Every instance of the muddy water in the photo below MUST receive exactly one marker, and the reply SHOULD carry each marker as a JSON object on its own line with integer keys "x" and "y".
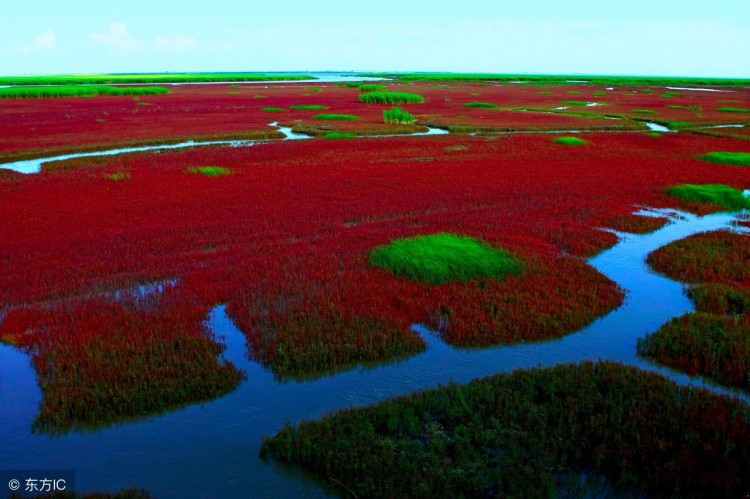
{"x": 211, "y": 450}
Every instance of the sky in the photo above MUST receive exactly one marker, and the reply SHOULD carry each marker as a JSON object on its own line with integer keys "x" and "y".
{"x": 634, "y": 37}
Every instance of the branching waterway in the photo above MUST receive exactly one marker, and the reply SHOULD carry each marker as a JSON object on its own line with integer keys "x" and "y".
{"x": 211, "y": 449}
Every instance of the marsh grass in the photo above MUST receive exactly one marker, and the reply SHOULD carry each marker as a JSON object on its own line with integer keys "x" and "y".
{"x": 339, "y": 135}
{"x": 643, "y": 111}
{"x": 274, "y": 110}
{"x": 542, "y": 432}
{"x": 670, "y": 95}
{"x": 308, "y": 107}
{"x": 398, "y": 116}
{"x": 717, "y": 194}
{"x": 336, "y": 117}
{"x": 574, "y": 103}
{"x": 209, "y": 171}
{"x": 391, "y": 98}
{"x": 570, "y": 141}
{"x": 733, "y": 110}
{"x": 76, "y": 91}
{"x": 482, "y": 105}
{"x": 367, "y": 88}
{"x": 442, "y": 258}
{"x": 728, "y": 158}
{"x": 119, "y": 176}
{"x": 114, "y": 79}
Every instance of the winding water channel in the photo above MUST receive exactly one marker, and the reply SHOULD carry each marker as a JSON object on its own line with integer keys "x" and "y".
{"x": 211, "y": 449}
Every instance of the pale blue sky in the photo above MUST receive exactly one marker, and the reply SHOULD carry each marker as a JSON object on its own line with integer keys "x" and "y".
{"x": 665, "y": 37}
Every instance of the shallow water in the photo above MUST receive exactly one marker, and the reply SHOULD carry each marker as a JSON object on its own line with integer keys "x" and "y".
{"x": 30, "y": 166}
{"x": 211, "y": 449}
{"x": 655, "y": 127}
{"x": 692, "y": 89}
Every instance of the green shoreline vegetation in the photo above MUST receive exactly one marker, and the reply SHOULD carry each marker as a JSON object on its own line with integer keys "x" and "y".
{"x": 99, "y": 79}
{"x": 77, "y": 91}
{"x": 577, "y": 430}
{"x": 568, "y": 79}
{"x": 716, "y": 194}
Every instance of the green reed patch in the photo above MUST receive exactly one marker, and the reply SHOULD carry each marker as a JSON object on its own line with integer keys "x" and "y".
{"x": 685, "y": 108}
{"x": 308, "y": 107}
{"x": 643, "y": 111}
{"x": 391, "y": 98}
{"x": 574, "y": 103}
{"x": 577, "y": 430}
{"x": 545, "y": 92}
{"x": 209, "y": 171}
{"x": 339, "y": 135}
{"x": 733, "y": 110}
{"x": 728, "y": 158}
{"x": 482, "y": 105}
{"x": 372, "y": 87}
{"x": 717, "y": 194}
{"x": 442, "y": 258}
{"x": 274, "y": 110}
{"x": 398, "y": 116}
{"x": 571, "y": 141}
{"x": 77, "y": 91}
{"x": 670, "y": 95}
{"x": 336, "y": 117}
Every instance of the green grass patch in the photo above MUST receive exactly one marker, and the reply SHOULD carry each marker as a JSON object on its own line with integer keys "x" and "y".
{"x": 76, "y": 91}
{"x": 717, "y": 194}
{"x": 339, "y": 135}
{"x": 545, "y": 92}
{"x": 643, "y": 111}
{"x": 670, "y": 95}
{"x": 367, "y": 88}
{"x": 391, "y": 98}
{"x": 728, "y": 158}
{"x": 209, "y": 171}
{"x": 599, "y": 93}
{"x": 336, "y": 117}
{"x": 482, "y": 105}
{"x": 575, "y": 92}
{"x": 259, "y": 96}
{"x": 398, "y": 116}
{"x": 119, "y": 176}
{"x": 308, "y": 107}
{"x": 579, "y": 430}
{"x": 655, "y": 134}
{"x": 274, "y": 110}
{"x": 685, "y": 108}
{"x": 574, "y": 103}
{"x": 733, "y": 110}
{"x": 442, "y": 258}
{"x": 570, "y": 141}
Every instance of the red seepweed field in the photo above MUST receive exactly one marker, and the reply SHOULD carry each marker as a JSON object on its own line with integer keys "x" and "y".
{"x": 284, "y": 238}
